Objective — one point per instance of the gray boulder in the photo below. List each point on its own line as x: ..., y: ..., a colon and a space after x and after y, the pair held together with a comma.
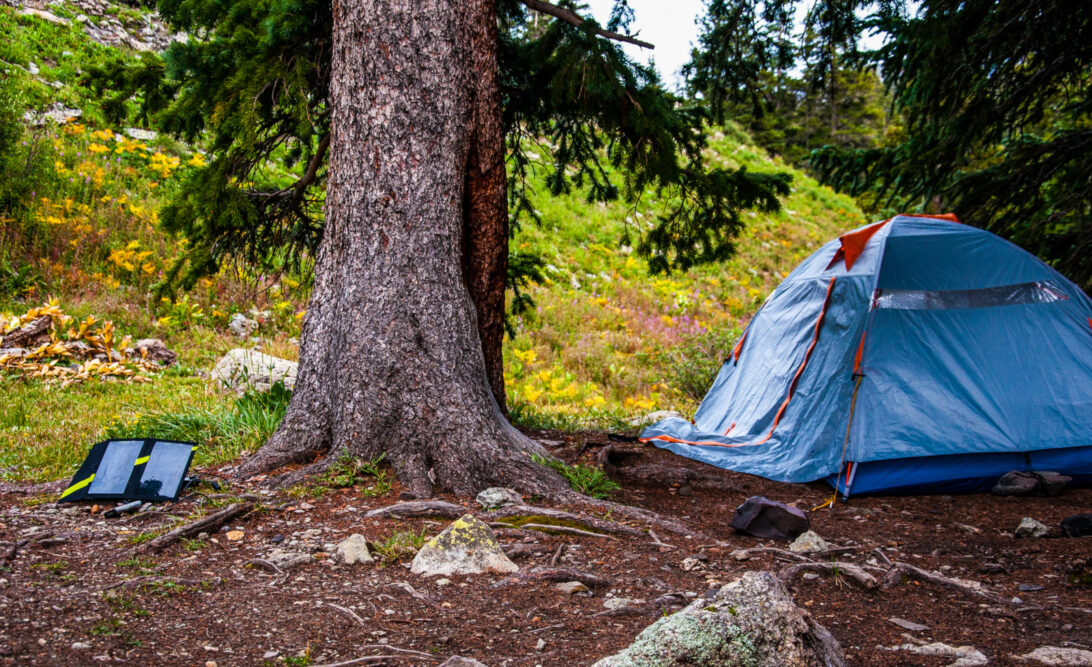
x: 765, y: 518
x: 241, y: 325
x: 498, y: 496
x: 240, y: 370
x: 752, y: 621
x: 467, y: 546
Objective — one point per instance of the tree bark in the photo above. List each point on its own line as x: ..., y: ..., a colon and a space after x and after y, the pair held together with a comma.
x: 390, y: 357
x: 485, y: 235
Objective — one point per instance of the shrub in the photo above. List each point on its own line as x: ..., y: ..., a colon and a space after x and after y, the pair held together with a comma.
x: 586, y: 479
x: 694, y: 364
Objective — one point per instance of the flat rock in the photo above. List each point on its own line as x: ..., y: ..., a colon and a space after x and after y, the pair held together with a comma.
x: 1053, y: 655
x: 768, y: 519
x: 353, y: 550
x: 467, y: 546
x: 621, y: 603
x: 1031, y: 528
x: 965, y: 656
x: 498, y: 496
x: 808, y: 542
x: 459, y: 661
x: 907, y: 625
x: 1078, y: 525
x: 240, y: 370
x: 572, y: 587
x: 752, y: 621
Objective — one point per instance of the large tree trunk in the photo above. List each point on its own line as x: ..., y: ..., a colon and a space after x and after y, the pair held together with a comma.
x: 390, y: 357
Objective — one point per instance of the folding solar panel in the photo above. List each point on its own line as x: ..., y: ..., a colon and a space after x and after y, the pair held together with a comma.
x: 147, y: 469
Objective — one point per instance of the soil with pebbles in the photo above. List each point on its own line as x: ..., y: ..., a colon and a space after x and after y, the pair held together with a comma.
x: 79, y: 592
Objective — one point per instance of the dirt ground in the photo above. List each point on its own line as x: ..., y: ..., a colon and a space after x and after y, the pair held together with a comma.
x: 79, y: 591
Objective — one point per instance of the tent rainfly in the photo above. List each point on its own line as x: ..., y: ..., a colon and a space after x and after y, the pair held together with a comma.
x: 913, y: 355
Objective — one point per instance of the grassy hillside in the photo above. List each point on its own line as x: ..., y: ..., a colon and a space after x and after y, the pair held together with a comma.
x: 605, y: 342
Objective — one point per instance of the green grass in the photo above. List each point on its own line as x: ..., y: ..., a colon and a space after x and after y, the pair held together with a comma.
x: 588, y: 480
x: 399, y: 545
x: 349, y: 471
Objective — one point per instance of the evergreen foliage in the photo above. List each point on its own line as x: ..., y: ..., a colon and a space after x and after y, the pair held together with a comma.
x: 996, y: 97
x: 254, y: 75
x: 794, y: 91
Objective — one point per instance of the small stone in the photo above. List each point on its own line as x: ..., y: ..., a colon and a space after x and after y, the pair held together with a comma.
x: 690, y: 563
x: 498, y: 496
x: 908, y: 625
x: 269, y: 655
x: 1030, y: 528
x: 618, y: 603
x: 353, y: 550
x: 277, y: 539
x: 686, y: 490
x: 210, y: 663
x: 573, y: 588
x: 443, y: 581
x: 808, y: 542
x: 1030, y: 588
x: 540, y: 644
x: 810, y: 576
x: 235, y: 535
x: 80, y: 646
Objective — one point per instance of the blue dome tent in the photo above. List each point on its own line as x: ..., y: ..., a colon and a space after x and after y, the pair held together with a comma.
x: 913, y: 355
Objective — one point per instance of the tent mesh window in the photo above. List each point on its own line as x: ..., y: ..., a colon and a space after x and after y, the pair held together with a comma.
x: 987, y: 297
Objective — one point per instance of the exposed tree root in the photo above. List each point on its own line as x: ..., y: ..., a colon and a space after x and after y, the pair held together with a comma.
x: 531, y: 513
x: 895, y: 574
x: 854, y: 573
x: 419, y: 508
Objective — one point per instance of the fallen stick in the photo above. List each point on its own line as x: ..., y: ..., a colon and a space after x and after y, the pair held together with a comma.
x: 547, y: 528
x: 345, y: 610
x: 555, y: 574
x: 404, y: 651
x: 419, y: 508
x: 210, y: 523
x: 853, y: 572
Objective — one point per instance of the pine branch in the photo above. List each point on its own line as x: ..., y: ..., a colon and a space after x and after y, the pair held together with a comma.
x: 577, y: 20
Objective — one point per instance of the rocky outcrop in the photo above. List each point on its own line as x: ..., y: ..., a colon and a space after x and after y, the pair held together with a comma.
x: 467, y: 546
x: 240, y: 370
x: 752, y: 621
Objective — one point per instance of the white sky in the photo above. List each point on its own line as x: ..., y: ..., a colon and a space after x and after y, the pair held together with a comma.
x: 669, y: 25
